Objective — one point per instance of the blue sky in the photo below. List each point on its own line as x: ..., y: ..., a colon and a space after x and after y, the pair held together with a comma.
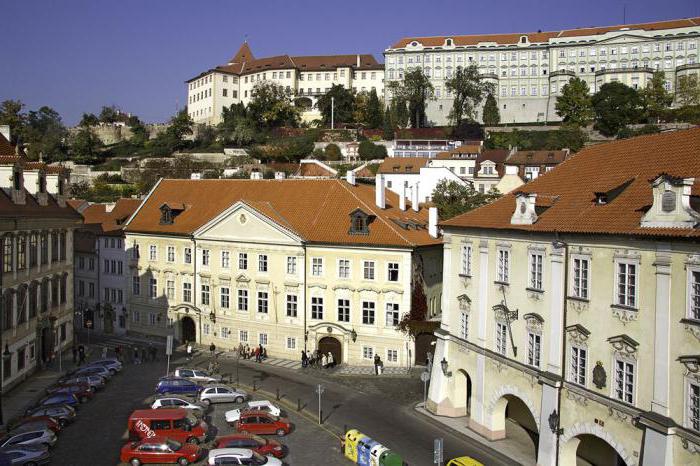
x: 77, y: 55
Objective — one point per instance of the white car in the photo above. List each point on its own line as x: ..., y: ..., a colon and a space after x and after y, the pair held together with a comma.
x: 196, y: 375
x: 261, y: 405
x: 177, y: 402
x: 223, y: 456
x: 222, y: 394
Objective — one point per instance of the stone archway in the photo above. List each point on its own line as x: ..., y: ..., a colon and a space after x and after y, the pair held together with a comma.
x: 424, y: 343
x: 188, y: 329
x: 593, y: 444
x: 463, y: 391
x: 512, y: 414
x: 331, y: 345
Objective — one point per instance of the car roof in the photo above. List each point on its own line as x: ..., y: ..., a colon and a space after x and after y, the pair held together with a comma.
x: 156, y: 439
x: 251, y: 412
x: 158, y: 414
x: 242, y: 452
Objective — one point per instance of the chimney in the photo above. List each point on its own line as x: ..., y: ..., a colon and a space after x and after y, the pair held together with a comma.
x: 380, y: 195
x: 5, y: 131
x: 402, y: 197
x: 512, y: 169
x: 358, y: 60
x: 415, y: 202
x: 432, y: 222
x: 350, y: 177
x: 195, y: 176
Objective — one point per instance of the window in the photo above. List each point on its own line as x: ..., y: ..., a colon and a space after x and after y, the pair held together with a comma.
x: 393, y: 271
x: 242, y: 300
x: 577, y: 372
x: 225, y: 259
x: 367, y: 352
x: 392, y: 355
x: 205, y: 257
x: 466, y: 260
x: 392, y: 314
x: 187, y: 292
x: 368, y: 270
x: 135, y: 285
x: 368, y: 312
x: 343, y: 268
x: 188, y: 255
x: 343, y: 310
x: 536, y: 271
x: 243, y: 336
x: 205, y: 294
x: 501, y: 342
x: 206, y: 329
x: 292, y: 305
x: 534, y: 345
x: 262, y: 302
x: 225, y: 332
x: 243, y: 261
x: 580, y: 278
x: 262, y: 262
x: 153, y: 252
x: 464, y: 325
x: 151, y: 318
x: 316, y: 266
x: 171, y: 254
x: 694, y: 406
x: 263, y: 339
x: 291, y: 265
x: 694, y: 298
x: 626, y: 284
x: 624, y: 381
x: 170, y: 289
x: 503, y: 265
x: 317, y: 307
x: 225, y: 295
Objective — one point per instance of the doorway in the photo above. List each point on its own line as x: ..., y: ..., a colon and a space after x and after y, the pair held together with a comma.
x: 187, y: 329
x: 331, y: 345
x: 424, y: 343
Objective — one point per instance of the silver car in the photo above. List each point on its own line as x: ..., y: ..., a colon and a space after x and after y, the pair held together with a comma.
x: 96, y: 382
x: 113, y: 365
x: 26, y: 455
x: 178, y: 402
x: 222, y: 394
x: 28, y: 436
x: 196, y: 375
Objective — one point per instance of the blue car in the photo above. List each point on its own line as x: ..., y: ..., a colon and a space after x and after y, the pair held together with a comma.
x: 60, y: 398
x: 177, y: 385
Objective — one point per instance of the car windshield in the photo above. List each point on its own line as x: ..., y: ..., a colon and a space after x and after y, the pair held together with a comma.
x: 174, y: 446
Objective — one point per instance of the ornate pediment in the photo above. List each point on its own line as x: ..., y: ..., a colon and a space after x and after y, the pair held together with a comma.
x: 534, y: 321
x: 578, y: 333
x: 465, y: 303
x: 624, y: 345
x: 242, y: 278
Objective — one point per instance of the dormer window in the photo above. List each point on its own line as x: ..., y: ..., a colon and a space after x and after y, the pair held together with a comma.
x: 359, y: 222
x: 668, y: 201
x: 671, y: 206
x: 525, y: 213
x: 523, y: 39
x: 449, y: 43
x: 16, y: 180
x: 169, y: 211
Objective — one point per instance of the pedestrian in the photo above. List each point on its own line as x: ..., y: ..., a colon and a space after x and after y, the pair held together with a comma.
x: 75, y: 354
x: 136, y: 355
x: 81, y: 355
x: 104, y: 352
x: 212, y: 349
x: 324, y: 361
x: 264, y: 353
x: 240, y: 350
x: 190, y: 349
x: 154, y: 353
x: 118, y: 352
x: 377, y: 361
x: 304, y: 359
x: 256, y: 353
x: 331, y: 361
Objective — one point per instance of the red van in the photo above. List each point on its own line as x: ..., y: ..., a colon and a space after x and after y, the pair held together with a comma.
x: 177, y: 424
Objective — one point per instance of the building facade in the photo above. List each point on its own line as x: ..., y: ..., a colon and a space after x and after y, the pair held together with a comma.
x: 36, y: 273
x: 414, y: 178
x: 571, y: 309
x: 288, y: 264
x: 529, y: 70
x: 306, y: 77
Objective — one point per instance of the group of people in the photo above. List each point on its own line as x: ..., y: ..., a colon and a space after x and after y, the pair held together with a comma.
x: 316, y: 358
x: 259, y: 353
x: 135, y: 355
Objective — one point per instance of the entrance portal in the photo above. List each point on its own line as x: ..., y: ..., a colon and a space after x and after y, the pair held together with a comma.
x: 187, y: 329
x: 331, y: 345
x: 424, y: 343
x: 46, y: 343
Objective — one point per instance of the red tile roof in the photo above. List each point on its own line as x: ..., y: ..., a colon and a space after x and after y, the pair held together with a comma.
x: 398, y: 165
x: 571, y: 186
x: 32, y: 209
x: 112, y: 222
x: 316, y: 210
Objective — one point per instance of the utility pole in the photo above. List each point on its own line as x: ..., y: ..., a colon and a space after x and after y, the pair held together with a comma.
x: 319, y: 390
x: 332, y: 112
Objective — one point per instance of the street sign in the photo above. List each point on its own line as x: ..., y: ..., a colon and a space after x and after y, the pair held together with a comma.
x: 437, y: 448
x: 424, y: 376
x: 169, y: 345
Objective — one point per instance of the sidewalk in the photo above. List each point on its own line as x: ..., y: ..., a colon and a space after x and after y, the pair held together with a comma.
x: 517, y: 445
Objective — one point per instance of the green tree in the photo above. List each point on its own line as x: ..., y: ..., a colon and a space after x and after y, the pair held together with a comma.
x: 173, y: 138
x: 415, y: 90
x: 375, y: 117
x: 332, y: 152
x: 271, y: 106
x: 88, y: 119
x: 139, y: 132
x: 388, y: 126
x: 109, y: 114
x: 574, y: 104
x: 360, y: 109
x: 687, y: 92
x: 45, y: 134
x: 469, y: 90
x: 655, y: 99
x: 491, y: 115
x: 370, y: 151
x: 206, y: 136
x: 341, y: 100
x: 399, y: 112
x: 11, y: 115
x: 452, y: 198
x: 85, y: 147
x: 615, y: 106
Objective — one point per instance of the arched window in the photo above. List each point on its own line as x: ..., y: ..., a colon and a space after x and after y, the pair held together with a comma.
x: 449, y: 43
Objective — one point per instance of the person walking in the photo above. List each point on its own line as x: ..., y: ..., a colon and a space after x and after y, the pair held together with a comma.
x: 304, y: 359
x: 212, y: 349
x: 190, y: 350
x: 377, y: 362
x: 104, y: 352
x: 136, y: 355
x: 81, y: 355
x: 331, y: 361
x: 324, y: 361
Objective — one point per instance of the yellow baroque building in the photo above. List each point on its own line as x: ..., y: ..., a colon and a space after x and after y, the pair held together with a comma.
x: 288, y: 264
x: 571, y: 309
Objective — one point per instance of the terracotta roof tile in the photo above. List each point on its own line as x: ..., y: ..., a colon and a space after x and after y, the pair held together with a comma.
x: 601, y: 168
x: 32, y: 209
x: 396, y: 165
x: 111, y: 222
x: 537, y: 157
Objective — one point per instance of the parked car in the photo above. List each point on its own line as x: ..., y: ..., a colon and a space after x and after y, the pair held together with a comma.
x: 252, y: 442
x: 178, y: 402
x: 25, y: 455
x: 261, y: 405
x: 96, y: 382
x: 176, y: 424
x: 82, y: 392
x: 60, y: 398
x: 59, y: 385
x: 168, y: 385
x: 222, y: 394
x: 28, y: 435
x: 160, y: 450
x: 64, y: 414
x: 93, y: 370
x: 196, y: 375
x: 223, y: 456
x: 260, y: 422
x: 45, y: 421
x: 112, y: 364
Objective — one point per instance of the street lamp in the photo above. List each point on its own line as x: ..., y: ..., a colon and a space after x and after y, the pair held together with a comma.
x: 212, y: 316
x: 353, y: 335
x: 444, y: 365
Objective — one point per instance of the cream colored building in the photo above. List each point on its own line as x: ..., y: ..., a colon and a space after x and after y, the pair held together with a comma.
x: 289, y: 264
x: 571, y: 309
x: 529, y: 70
x: 306, y: 77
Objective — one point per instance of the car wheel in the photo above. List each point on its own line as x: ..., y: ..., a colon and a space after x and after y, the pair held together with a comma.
x: 135, y: 462
x: 206, y: 401
x: 63, y: 422
x: 193, y: 440
x: 183, y: 462
x: 239, y: 399
x: 281, y: 433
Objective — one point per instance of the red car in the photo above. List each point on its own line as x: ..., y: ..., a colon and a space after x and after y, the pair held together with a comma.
x: 253, y: 442
x: 160, y: 450
x: 261, y: 422
x: 47, y: 421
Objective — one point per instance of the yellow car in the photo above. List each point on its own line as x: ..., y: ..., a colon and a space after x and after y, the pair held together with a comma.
x: 464, y: 461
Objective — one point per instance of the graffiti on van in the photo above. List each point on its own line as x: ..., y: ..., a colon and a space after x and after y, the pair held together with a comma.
x: 140, y: 425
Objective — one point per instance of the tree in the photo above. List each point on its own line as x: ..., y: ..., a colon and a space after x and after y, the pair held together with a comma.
x: 469, y: 90
x: 687, y: 92
x: 370, y: 151
x: 12, y: 116
x: 399, y: 112
x: 332, y: 152
x: 341, y: 101
x: 139, y: 132
x: 574, y: 104
x: 85, y: 146
x: 388, y: 127
x: 415, y: 90
x: 271, y: 106
x: 452, y: 198
x: 110, y: 114
x: 655, y: 98
x: 45, y: 135
x: 173, y: 138
x: 88, y: 119
x: 615, y: 106
x: 206, y: 136
x: 375, y: 117
x: 491, y: 115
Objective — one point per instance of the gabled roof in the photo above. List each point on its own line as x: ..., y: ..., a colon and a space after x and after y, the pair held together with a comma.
x: 243, y: 55
x: 537, y: 157
x: 398, y: 165
x: 316, y: 210
x: 599, y: 169
x: 110, y: 223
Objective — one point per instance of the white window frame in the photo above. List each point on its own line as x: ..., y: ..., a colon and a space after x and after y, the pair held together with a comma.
x: 627, y: 263
x: 170, y: 289
x: 534, y: 349
x: 503, y: 265
x: 205, y: 257
x: 291, y: 265
x: 501, y: 340
x: 536, y: 270
x: 317, y: 307
x: 152, y: 252
x: 367, y: 352
x: 291, y: 343
x: 205, y: 294
x: 346, y: 310
x: 187, y: 292
x: 464, y: 325
x: 242, y: 261
x: 263, y: 263
x: 224, y: 297
x: 389, y: 270
x: 693, y: 312
x: 225, y: 259
x: 574, y: 370
x: 263, y: 302
x: 371, y: 313
x: 153, y: 288
x: 614, y: 386
x: 292, y: 305
x: 187, y: 256
x: 344, y: 269
x: 262, y: 338
x: 243, y: 336
x: 393, y: 310
x: 369, y: 270
x: 392, y: 355
x: 580, y: 285
x: 242, y: 300
x: 465, y: 260
x: 317, y: 266
x: 692, y: 413
x: 171, y: 253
